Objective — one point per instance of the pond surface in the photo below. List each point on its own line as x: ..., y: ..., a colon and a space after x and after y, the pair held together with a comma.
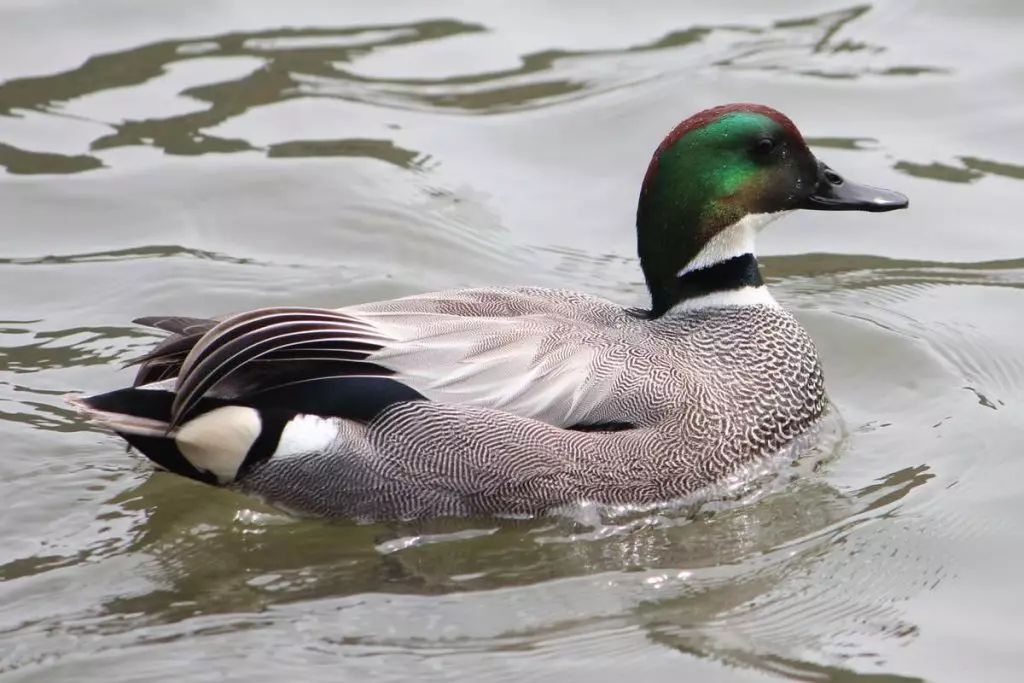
x: 200, y: 158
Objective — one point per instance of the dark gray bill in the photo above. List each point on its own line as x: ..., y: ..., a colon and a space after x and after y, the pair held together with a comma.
x: 835, y: 193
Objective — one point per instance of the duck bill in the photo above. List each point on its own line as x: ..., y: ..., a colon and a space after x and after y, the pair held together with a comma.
x: 835, y: 193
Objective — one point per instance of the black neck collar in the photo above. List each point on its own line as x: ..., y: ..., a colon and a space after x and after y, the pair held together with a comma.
x: 728, y: 275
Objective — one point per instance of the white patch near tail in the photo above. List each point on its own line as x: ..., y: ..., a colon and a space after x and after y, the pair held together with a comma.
x: 307, y: 434
x: 219, y: 440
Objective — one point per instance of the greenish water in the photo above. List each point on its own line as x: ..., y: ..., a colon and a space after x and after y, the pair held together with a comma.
x: 205, y: 157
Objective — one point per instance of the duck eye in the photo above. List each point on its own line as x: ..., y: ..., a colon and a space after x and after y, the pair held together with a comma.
x: 764, y: 147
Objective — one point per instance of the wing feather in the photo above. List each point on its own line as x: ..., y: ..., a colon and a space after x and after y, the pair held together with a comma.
x: 538, y: 353
x: 235, y: 326
x: 177, y: 324
x: 326, y: 336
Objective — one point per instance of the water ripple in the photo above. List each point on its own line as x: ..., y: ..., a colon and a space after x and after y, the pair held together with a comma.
x: 218, y: 78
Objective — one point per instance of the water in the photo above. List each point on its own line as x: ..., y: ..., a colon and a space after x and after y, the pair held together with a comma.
x: 201, y: 158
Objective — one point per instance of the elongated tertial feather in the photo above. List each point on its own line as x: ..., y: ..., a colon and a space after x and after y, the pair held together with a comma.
x: 120, y: 422
x: 279, y: 335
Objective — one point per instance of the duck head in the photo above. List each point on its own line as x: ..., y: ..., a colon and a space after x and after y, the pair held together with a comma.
x: 714, y: 182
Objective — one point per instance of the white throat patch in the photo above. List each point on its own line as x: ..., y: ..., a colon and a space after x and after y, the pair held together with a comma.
x: 736, y: 240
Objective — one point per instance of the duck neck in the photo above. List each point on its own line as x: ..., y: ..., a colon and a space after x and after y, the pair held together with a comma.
x: 720, y: 282
x: 723, y: 272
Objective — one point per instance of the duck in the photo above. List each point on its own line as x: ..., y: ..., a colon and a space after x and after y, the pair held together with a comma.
x: 516, y: 401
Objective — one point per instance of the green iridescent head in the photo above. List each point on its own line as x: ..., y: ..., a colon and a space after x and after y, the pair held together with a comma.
x: 720, y: 166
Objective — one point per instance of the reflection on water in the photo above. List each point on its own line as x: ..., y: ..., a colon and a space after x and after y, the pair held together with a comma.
x: 270, y: 67
x: 678, y: 578
x: 239, y: 165
x: 24, y: 162
x: 972, y: 169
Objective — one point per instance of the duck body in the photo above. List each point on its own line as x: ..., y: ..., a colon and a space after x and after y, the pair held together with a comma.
x: 493, y: 401
x: 673, y: 405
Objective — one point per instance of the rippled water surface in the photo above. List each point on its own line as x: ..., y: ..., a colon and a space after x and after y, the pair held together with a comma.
x: 205, y: 157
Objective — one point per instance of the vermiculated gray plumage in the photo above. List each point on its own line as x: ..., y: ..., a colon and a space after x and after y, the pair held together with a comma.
x: 507, y: 371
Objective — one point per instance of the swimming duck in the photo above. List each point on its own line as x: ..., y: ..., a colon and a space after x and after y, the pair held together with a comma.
x: 498, y: 401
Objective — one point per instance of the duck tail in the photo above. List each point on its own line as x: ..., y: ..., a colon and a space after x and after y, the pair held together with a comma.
x: 213, y: 447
